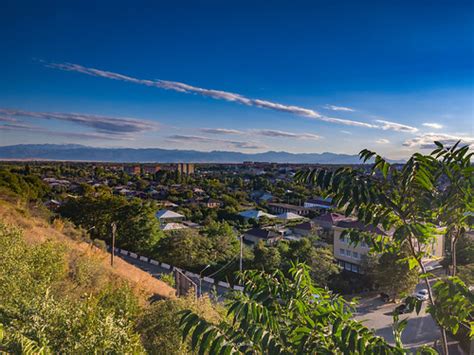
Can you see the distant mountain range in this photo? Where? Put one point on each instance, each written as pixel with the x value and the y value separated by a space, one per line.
pixel 77 152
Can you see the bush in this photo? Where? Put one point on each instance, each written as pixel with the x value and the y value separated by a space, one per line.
pixel 100 244
pixel 168 279
pixel 39 292
pixel 159 325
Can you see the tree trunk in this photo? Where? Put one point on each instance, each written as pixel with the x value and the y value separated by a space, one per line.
pixel 444 338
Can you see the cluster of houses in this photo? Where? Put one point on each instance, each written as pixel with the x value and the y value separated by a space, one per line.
pixel 329 224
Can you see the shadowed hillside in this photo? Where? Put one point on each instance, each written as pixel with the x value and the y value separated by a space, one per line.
pixel 32 220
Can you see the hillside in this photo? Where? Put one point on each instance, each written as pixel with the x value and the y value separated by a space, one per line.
pixel 32 220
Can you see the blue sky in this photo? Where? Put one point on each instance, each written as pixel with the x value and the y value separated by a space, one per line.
pixel 299 76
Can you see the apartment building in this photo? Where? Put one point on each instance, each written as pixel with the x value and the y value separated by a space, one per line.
pixel 350 256
pixel 185 168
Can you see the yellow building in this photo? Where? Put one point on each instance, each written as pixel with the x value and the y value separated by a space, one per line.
pixel 185 168
pixel 350 256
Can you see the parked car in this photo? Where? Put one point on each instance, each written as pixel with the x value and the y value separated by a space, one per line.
pixel 402 309
pixel 422 295
pixel 384 297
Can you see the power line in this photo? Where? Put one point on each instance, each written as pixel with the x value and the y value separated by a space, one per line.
pixel 222 268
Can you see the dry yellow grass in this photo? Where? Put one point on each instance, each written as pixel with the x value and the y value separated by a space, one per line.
pixel 37 229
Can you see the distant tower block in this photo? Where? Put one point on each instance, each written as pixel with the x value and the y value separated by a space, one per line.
pixel 151 169
pixel 185 168
pixel 132 169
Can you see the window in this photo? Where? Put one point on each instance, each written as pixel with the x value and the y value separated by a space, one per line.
pixel 342 251
pixel 355 268
pixel 348 267
pixel 355 255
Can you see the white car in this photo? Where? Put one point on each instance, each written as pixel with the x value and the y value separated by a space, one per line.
pixel 422 295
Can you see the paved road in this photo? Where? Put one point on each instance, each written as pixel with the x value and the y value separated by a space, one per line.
pixel 156 271
pixel 375 314
pixel 421 329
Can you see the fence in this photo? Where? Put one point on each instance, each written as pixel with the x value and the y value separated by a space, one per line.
pixel 171 268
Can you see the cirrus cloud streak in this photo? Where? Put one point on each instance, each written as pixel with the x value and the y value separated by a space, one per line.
pixel 233 97
pixel 113 126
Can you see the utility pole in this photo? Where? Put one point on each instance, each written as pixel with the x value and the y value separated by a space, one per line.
pixel 112 252
pixel 241 251
pixel 200 279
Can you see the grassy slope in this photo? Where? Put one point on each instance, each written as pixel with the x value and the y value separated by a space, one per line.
pixel 36 229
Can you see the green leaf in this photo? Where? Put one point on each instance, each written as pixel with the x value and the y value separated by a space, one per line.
pixel 202 326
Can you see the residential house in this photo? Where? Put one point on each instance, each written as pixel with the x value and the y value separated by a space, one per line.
pixel 328 220
pixel 319 204
pixel 289 216
pixel 254 235
pixel 173 226
pixel 255 214
pixel 285 207
pixel 212 203
pixel 304 229
pixel 167 216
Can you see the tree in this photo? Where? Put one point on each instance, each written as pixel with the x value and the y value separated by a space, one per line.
pixel 280 315
pixel 184 248
pixel 411 201
pixel 464 252
pixel 453 177
pixel 224 242
pixel 466 274
pixel 320 260
pixel 137 227
pixel 28 186
pixel 266 258
pixel 391 274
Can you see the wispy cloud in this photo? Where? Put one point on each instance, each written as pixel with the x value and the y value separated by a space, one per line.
pixel 208 140
pixel 425 141
pixel 217 94
pixel 261 132
pixel 118 126
pixel 346 132
pixel 339 108
pixel 276 133
pixel 393 126
pixel 382 141
pixel 221 131
pixel 22 127
pixel 7 119
pixel 433 125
